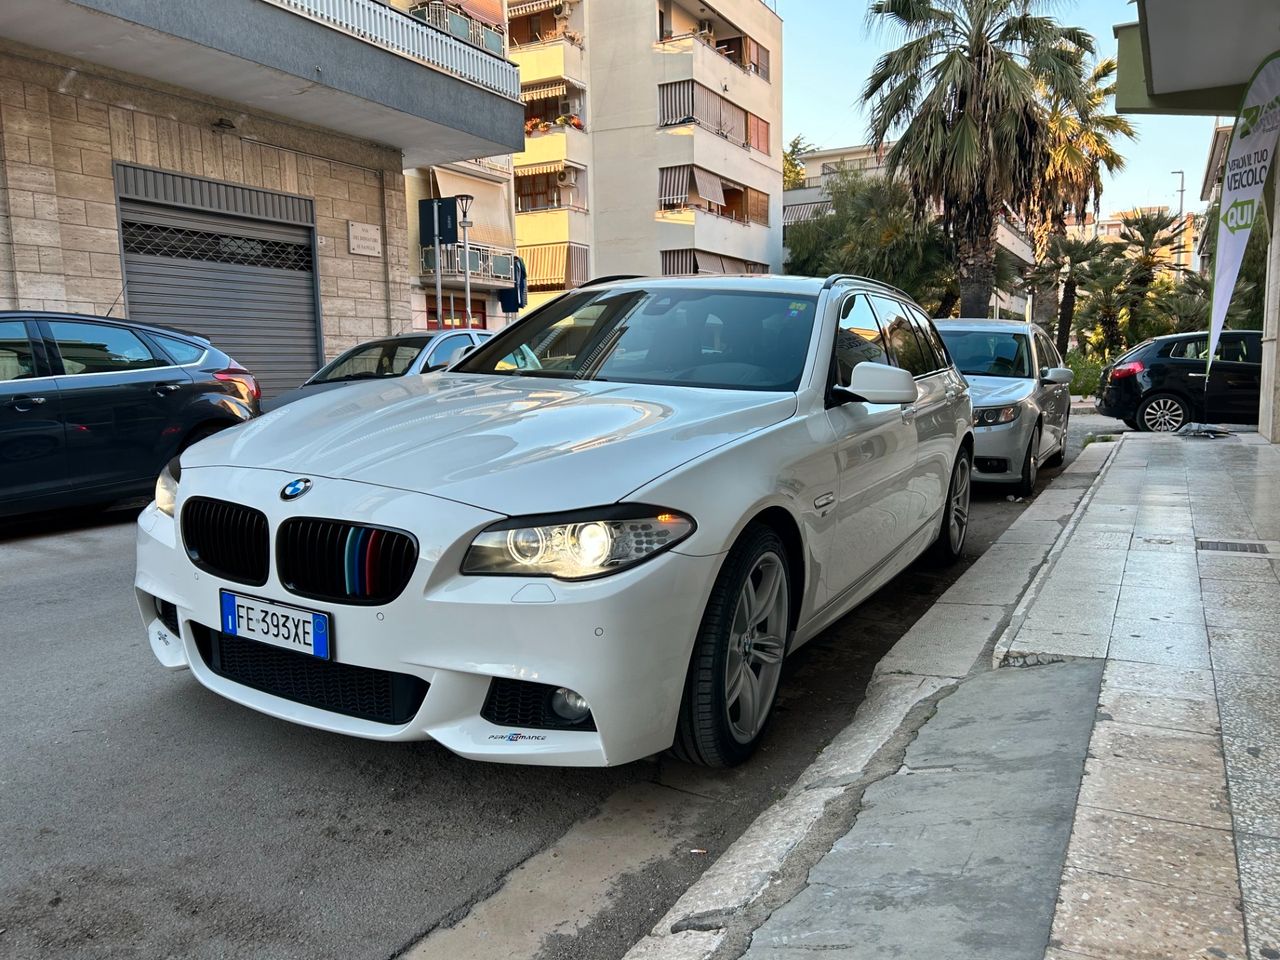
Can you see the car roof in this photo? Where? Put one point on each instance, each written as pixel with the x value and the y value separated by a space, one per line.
pixel 989 325
pixel 1199 333
pixel 96 318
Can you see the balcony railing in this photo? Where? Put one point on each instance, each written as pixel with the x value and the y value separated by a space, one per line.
pixel 525 205
pixel 492 164
pixel 487 263
pixel 461 26
pixel 709 42
pixel 413 39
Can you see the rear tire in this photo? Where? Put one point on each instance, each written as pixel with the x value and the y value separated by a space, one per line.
pixel 1162 413
pixel 737 657
pixel 949 546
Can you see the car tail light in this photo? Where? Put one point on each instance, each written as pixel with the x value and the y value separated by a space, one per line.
pixel 243 377
pixel 1130 369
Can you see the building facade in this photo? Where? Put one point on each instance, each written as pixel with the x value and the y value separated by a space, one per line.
pixel 653 139
pixel 246 184
pixel 1181 254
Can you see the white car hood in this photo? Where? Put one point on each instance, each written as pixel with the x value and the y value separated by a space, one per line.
pixel 512 445
pixel 998 391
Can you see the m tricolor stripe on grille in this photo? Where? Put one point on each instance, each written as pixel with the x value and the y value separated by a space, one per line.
pixel 344 562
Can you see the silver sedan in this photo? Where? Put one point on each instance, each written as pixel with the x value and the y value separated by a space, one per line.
pixel 1021 398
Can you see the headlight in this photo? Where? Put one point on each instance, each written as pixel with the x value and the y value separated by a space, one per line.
pixel 167 486
pixel 576 546
pixel 990 416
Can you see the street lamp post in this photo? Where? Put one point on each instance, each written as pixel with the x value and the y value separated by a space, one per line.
pixel 1182 227
pixel 464 207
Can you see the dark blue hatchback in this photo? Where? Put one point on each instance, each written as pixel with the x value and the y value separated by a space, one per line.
pixel 92 408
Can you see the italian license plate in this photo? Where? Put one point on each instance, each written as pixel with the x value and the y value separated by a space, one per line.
pixel 279 624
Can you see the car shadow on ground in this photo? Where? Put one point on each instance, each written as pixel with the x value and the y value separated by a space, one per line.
pixel 69 519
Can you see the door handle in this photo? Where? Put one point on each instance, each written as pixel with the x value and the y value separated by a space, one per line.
pixel 908 413
pixel 160 389
pixel 24 404
pixel 1199 376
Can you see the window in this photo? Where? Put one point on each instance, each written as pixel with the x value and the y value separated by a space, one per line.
pixel 990 353
pixel 537 192
pixel 16 360
pixel 97 348
pixel 182 351
pixel 369 361
pixel 858 338
pixel 685 101
pixel 686 337
pixel 758 206
pixel 1048 352
pixel 757 133
pixel 1232 350
pixel 447 349
pixel 735 201
pixel 925 326
pixel 757 58
pixel 908 352
pixel 1197 349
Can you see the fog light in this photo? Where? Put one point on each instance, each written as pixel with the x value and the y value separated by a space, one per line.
pixel 569 705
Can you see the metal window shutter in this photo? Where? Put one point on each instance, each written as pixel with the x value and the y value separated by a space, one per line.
pixel 264 316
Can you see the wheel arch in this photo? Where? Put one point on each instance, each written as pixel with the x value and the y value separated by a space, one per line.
pixel 780 520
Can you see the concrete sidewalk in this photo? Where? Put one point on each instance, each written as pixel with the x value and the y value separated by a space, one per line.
pixel 1111 792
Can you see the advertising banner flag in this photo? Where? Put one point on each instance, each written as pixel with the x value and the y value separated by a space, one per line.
pixel 1249 160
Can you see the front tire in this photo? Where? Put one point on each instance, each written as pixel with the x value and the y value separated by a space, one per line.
pixel 737 657
pixel 949 546
pixel 1030 465
pixel 1162 413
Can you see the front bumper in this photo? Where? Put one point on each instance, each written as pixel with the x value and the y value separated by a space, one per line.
pixel 622 641
pixel 998 451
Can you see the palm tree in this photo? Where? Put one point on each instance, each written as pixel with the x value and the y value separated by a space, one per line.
pixel 962 89
pixel 1064 265
pixel 1152 240
pixel 1079 146
pixel 1105 281
pixel 1186 306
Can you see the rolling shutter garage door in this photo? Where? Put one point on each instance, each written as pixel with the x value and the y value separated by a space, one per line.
pixel 246 284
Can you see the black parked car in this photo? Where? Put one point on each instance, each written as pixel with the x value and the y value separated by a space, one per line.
pixel 1161 384
pixel 91 409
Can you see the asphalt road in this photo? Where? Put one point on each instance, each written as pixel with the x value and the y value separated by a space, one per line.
pixel 142 816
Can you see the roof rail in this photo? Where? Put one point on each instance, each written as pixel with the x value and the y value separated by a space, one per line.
pixel 609 279
pixel 835 278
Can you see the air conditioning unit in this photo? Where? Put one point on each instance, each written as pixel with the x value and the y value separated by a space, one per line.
pixel 568 177
pixel 704 26
pixel 560 11
pixel 564 108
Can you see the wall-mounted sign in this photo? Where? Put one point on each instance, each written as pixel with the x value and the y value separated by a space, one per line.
pixel 364 239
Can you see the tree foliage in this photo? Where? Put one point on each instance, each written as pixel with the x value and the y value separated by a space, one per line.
pixel 792 169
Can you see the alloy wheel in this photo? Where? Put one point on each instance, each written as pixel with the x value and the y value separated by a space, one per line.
pixel 757 643
pixel 1163 415
pixel 958 527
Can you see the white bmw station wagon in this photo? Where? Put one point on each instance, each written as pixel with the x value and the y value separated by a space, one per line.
pixel 593 538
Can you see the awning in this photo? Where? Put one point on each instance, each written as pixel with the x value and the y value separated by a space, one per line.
pixel 709 186
pixel 491 212
pixel 556 265
pixel 531 6
pixel 489 11
pixel 678 263
pixel 543 91
pixel 800 212
pixel 533 169
pixel 710 262
pixel 673 184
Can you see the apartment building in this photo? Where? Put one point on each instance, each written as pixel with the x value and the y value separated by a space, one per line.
pixel 812 200
pixel 652 139
pixel 1181 253
pixel 235 167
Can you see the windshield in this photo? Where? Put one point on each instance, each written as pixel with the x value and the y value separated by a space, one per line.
pixel 381 358
pixel 724 339
pixel 989 353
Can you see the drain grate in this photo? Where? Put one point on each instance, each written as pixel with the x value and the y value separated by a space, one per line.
pixel 1232 546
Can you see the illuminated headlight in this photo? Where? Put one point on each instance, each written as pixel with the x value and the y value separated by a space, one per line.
pixel 990 416
pixel 576 546
pixel 167 486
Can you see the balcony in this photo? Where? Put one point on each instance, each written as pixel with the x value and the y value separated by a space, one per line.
pixel 490 266
pixel 554 224
pixel 354 67
pixel 465 28
pixel 554 59
pixel 555 145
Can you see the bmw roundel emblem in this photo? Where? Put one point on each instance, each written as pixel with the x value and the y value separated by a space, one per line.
pixel 295 488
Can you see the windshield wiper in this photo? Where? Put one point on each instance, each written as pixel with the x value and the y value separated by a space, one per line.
pixel 355 376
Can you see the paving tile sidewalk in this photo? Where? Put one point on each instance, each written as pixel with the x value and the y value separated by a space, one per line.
pixel 1175 848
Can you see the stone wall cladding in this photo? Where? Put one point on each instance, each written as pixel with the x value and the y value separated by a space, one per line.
pixel 62 125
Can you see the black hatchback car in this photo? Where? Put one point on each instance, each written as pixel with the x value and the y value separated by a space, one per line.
pixel 1161 384
pixel 91 409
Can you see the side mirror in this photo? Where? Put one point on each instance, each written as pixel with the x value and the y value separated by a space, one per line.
pixel 878 383
pixel 1060 375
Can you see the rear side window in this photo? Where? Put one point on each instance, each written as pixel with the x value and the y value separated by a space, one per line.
pixel 1197 349
pixel 182 351
pixel 858 338
pixel 908 351
pixel 1233 350
pixel 16 359
pixel 925 326
pixel 98 348
pixel 1048 352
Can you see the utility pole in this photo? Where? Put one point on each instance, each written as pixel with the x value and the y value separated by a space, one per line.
pixel 464 207
pixel 1182 227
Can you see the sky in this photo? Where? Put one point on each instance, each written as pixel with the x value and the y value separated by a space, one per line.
pixel 829 51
